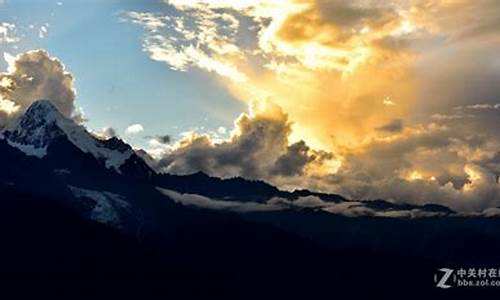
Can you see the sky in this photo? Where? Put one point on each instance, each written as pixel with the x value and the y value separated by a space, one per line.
pixel 117 84
pixel 394 99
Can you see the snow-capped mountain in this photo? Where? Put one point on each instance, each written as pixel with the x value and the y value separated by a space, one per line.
pixel 54 171
pixel 79 160
pixel 59 184
pixel 42 125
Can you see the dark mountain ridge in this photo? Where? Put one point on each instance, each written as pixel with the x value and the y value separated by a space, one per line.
pixel 70 193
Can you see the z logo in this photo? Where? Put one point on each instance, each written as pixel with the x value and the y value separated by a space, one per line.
pixel 442 282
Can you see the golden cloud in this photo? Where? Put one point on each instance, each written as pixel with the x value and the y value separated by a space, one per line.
pixel 339 61
pixel 364 80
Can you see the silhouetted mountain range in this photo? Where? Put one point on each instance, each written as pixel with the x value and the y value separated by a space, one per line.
pixel 73 205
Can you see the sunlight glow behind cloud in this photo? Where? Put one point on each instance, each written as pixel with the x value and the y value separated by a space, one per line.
pixel 395 90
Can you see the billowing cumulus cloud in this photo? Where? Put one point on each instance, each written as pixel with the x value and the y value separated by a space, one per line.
pixel 258 148
pixel 31 76
pixel 402 94
pixel 431 164
pixel 310 57
pixel 338 60
pixel 480 191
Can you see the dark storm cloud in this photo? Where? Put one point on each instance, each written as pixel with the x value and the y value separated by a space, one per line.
pixel 296 158
pixel 259 149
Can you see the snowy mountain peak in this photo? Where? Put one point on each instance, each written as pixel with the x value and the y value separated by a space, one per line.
pixel 42 124
pixel 33 132
pixel 43 109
